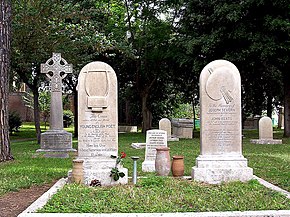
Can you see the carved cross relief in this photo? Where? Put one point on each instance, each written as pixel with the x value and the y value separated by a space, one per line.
pixel 56 69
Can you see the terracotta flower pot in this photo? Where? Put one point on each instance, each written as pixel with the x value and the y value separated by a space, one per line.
pixel 162 161
pixel 177 166
pixel 78 171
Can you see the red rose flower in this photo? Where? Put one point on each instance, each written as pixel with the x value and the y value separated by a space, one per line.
pixel 123 154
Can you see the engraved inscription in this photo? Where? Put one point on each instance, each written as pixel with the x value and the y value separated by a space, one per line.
pixel 155 138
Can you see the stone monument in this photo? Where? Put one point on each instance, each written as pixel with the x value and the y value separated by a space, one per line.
pixel 98 123
pixel 266 133
pixel 56 139
pixel 221 158
pixel 165 124
pixel 182 127
pixel 154 139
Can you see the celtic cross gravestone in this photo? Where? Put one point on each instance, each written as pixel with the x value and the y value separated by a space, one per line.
pixel 56 139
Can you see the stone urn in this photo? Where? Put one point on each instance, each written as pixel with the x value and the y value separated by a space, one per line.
pixel 177 166
pixel 162 161
pixel 78 172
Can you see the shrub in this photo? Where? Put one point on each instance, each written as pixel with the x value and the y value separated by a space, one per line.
pixel 14 122
pixel 68 118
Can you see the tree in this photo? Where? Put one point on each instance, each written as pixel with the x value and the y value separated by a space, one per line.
pixel 35 38
pixel 251 34
pixel 5 37
pixel 147 63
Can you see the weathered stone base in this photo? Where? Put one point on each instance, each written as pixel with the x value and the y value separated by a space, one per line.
pixel 172 139
pixel 266 141
pixel 56 141
pixel 217 169
pixel 148 166
pixel 138 145
pixel 101 170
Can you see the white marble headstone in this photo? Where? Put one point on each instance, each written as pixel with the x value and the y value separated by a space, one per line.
pixel 98 122
pixel 165 124
pixel 266 133
pixel 154 139
pixel 221 156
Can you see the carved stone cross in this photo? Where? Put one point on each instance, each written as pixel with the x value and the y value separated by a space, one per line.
pixel 59 69
pixel 56 69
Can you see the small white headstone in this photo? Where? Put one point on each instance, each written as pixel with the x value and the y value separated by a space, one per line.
pixel 98 123
pixel 154 138
pixel 165 124
pixel 266 132
pixel 221 158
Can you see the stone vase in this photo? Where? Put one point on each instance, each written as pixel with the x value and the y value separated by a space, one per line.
pixel 177 166
pixel 162 161
pixel 78 172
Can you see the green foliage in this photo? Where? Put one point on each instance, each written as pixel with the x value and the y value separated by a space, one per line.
pixel 152 181
pixel 44 104
pixel 68 118
pixel 183 111
pixel 246 33
pixel 14 122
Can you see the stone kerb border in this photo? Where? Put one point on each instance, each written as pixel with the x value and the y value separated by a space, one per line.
pixel 41 201
pixel 265 213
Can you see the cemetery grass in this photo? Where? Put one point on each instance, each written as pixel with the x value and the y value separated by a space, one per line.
pixel 28 167
pixel 270 162
pixel 158 194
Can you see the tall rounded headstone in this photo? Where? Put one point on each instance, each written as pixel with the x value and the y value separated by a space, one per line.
pixel 221 158
pixel 98 123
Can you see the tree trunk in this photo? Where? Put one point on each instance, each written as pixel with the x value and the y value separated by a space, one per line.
pixel 146 114
pixel 286 105
pixel 5 37
pixel 269 105
pixel 36 114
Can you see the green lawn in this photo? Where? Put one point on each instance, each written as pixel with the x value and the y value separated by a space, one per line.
pixel 270 162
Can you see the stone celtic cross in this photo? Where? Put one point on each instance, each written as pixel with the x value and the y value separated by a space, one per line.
pixel 59 69
pixel 56 69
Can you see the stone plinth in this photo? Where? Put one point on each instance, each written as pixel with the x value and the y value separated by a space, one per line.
pixel 98 123
pixel 56 141
pixel 101 170
pixel 215 169
pixel 266 133
pixel 221 158
pixel 154 139
pixel 182 128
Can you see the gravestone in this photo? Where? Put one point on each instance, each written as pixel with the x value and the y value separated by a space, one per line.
pixel 138 145
pixel 220 158
pixel 182 127
pixel 98 123
pixel 165 124
pixel 56 139
pixel 154 139
pixel 266 133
